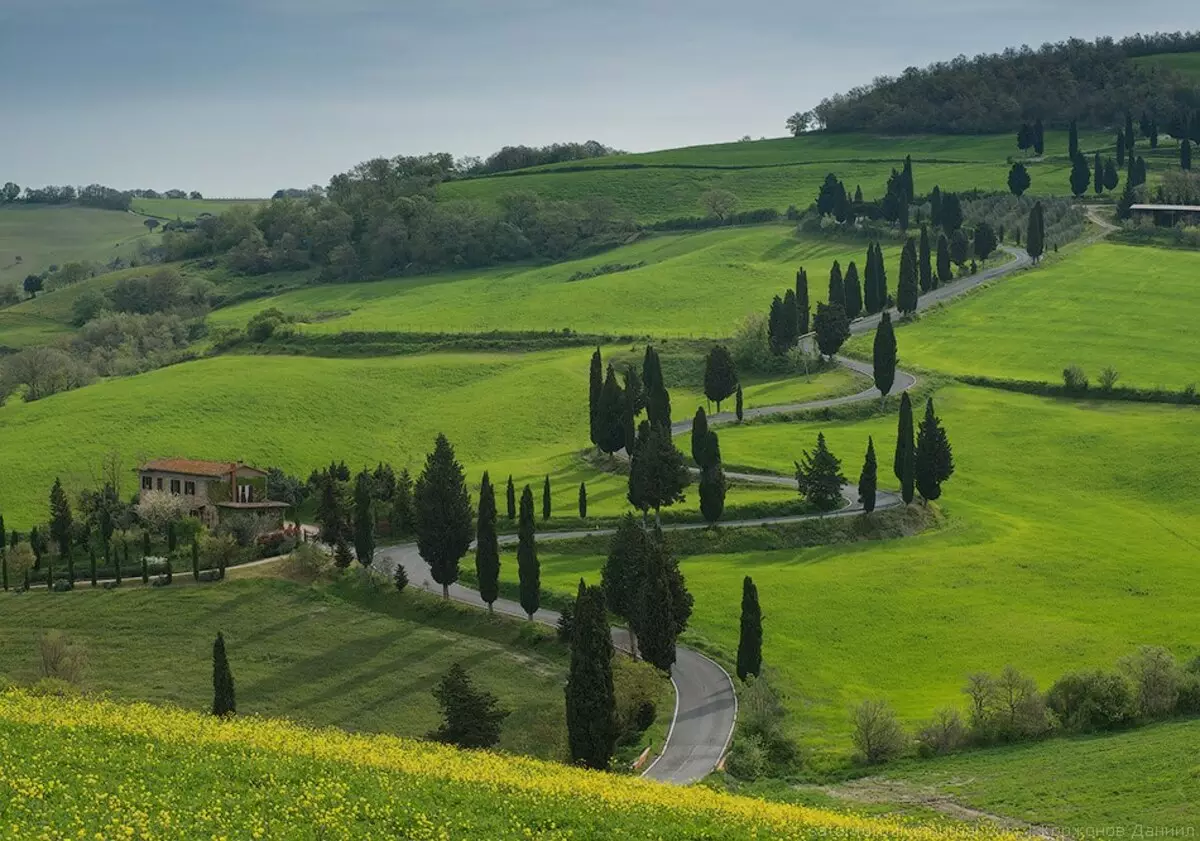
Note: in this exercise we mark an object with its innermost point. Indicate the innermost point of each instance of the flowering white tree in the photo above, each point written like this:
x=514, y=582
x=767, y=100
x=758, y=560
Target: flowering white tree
x=158, y=508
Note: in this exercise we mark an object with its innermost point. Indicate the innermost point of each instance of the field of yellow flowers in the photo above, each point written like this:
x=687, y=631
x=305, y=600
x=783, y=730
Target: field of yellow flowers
x=86, y=769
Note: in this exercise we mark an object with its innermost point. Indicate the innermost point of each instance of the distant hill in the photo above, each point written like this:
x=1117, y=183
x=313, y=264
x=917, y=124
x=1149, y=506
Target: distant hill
x=46, y=235
x=1095, y=83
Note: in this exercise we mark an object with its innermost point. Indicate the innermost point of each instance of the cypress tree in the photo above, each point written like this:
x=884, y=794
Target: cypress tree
x=590, y=698
x=906, y=291
x=621, y=576
x=881, y=276
x=699, y=436
x=628, y=422
x=582, y=501
x=1018, y=179
x=777, y=328
x=60, y=519
x=145, y=570
x=832, y=328
x=1111, y=179
x=487, y=545
x=884, y=357
x=790, y=319
x=92, y=565
x=1072, y=141
x=145, y=542
x=1024, y=140
x=738, y=407
x=471, y=717
x=837, y=287
x=195, y=559
x=803, y=312
x=511, y=499
x=117, y=563
x=224, y=703
x=3, y=557
x=529, y=571
x=1129, y=129
x=749, y=651
x=658, y=399
x=906, y=179
x=1185, y=154
x=871, y=301
x=364, y=519
x=171, y=542
x=610, y=421
x=635, y=394
x=663, y=604
x=934, y=460
x=1035, y=236
x=902, y=464
x=443, y=514
x=868, y=479
x=1120, y=149
x=1039, y=136
x=720, y=373
x=1097, y=174
x=935, y=207
x=657, y=474
x=854, y=295
x=712, y=491
x=546, y=496
x=595, y=384
x=1081, y=175
x=952, y=215
x=925, y=262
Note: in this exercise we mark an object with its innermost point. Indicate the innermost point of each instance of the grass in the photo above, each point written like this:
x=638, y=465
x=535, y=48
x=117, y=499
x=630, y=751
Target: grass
x=1127, y=307
x=697, y=284
x=1145, y=777
x=780, y=172
x=1186, y=63
x=45, y=236
x=523, y=414
x=339, y=655
x=188, y=208
x=1068, y=543
x=22, y=329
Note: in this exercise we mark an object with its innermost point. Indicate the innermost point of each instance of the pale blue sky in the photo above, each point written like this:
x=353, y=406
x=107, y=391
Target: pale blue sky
x=241, y=97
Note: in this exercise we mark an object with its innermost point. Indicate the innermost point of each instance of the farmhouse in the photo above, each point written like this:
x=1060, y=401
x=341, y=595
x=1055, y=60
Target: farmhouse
x=212, y=488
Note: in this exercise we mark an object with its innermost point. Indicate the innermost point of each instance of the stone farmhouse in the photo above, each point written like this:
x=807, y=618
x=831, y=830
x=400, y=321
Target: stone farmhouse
x=212, y=488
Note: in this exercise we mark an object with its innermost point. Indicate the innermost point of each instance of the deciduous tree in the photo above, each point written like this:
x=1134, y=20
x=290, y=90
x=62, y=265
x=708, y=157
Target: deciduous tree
x=443, y=514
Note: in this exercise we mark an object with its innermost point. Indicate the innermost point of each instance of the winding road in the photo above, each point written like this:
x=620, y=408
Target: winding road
x=705, y=699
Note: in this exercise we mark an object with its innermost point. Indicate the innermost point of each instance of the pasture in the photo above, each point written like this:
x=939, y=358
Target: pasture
x=1186, y=63
x=187, y=209
x=1128, y=307
x=43, y=236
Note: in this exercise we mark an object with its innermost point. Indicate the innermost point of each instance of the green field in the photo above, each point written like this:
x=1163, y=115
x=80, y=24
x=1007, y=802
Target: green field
x=1146, y=777
x=780, y=172
x=1127, y=307
x=188, y=208
x=1186, y=63
x=524, y=414
x=698, y=284
x=45, y=236
x=1069, y=542
x=335, y=655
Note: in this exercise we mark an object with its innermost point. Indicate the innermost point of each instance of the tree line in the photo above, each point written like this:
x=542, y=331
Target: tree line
x=93, y=195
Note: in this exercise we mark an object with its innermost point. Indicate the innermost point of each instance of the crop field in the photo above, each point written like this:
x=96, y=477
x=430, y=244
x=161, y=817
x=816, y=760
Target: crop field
x=1142, y=778
x=696, y=284
x=188, y=208
x=1128, y=307
x=341, y=655
x=524, y=414
x=1068, y=543
x=45, y=236
x=141, y=771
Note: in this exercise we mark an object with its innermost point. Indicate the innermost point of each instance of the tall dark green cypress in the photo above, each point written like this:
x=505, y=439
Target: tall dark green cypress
x=583, y=500
x=443, y=514
x=487, y=544
x=1072, y=140
x=884, y=356
x=903, y=465
x=610, y=421
x=870, y=286
x=1039, y=136
x=1097, y=174
x=60, y=519
x=854, y=295
x=590, y=697
x=945, y=273
x=529, y=571
x=712, y=489
x=92, y=565
x=546, y=497
x=1120, y=149
x=790, y=319
x=933, y=460
x=1129, y=136
x=749, y=651
x=224, y=703
x=510, y=494
x=364, y=519
x=658, y=399
x=1035, y=236
x=907, y=291
x=837, y=287
x=657, y=619
x=739, y=409
x=595, y=383
x=868, y=479
x=699, y=436
x=925, y=262
x=803, y=310
x=881, y=277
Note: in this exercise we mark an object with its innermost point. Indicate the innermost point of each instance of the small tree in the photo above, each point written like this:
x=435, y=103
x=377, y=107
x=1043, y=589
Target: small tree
x=903, y=462
x=985, y=241
x=546, y=497
x=1035, y=236
x=443, y=514
x=699, y=437
x=720, y=375
x=719, y=203
x=738, y=404
x=749, y=652
x=1018, y=179
x=877, y=734
x=960, y=248
x=657, y=473
x=819, y=477
x=1081, y=174
x=1185, y=154
x=1111, y=178
x=487, y=545
x=712, y=491
x=590, y=697
x=884, y=357
x=510, y=495
x=832, y=328
x=224, y=703
x=195, y=559
x=529, y=571
x=60, y=519
x=933, y=461
x=471, y=717
x=868, y=479
x=583, y=500
x=364, y=519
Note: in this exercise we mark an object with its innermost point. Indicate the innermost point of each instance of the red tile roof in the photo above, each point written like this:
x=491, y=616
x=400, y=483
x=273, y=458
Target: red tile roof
x=195, y=467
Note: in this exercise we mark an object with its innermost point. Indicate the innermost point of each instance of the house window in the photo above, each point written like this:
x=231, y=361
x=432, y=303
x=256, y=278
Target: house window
x=175, y=486
x=147, y=483
x=189, y=488
x=243, y=493
x=159, y=483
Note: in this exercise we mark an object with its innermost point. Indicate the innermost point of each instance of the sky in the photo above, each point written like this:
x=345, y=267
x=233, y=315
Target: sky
x=238, y=98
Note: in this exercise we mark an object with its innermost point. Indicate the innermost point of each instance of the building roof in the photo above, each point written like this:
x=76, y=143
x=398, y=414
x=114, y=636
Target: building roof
x=1184, y=208
x=196, y=467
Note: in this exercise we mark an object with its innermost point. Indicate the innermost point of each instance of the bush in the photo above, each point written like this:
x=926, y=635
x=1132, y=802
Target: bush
x=275, y=543
x=762, y=715
x=1108, y=378
x=1088, y=701
x=307, y=562
x=209, y=575
x=61, y=659
x=1156, y=678
x=1188, y=700
x=944, y=733
x=877, y=734
x=263, y=324
x=1074, y=379
x=636, y=684
x=747, y=758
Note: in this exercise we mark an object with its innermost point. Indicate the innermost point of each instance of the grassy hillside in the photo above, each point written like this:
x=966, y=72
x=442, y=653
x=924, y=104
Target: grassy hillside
x=340, y=655
x=157, y=768
x=1186, y=63
x=1140, y=779
x=524, y=414
x=781, y=172
x=1068, y=542
x=1127, y=307
x=697, y=284
x=45, y=236
x=188, y=208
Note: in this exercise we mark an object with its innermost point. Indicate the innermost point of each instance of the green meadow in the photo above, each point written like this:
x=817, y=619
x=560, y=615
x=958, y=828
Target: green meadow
x=46, y=236
x=188, y=208
x=696, y=284
x=1068, y=542
x=1128, y=307
x=524, y=414
x=1186, y=63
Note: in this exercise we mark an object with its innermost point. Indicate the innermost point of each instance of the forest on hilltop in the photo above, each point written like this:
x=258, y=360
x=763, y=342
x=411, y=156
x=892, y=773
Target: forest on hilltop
x=1094, y=83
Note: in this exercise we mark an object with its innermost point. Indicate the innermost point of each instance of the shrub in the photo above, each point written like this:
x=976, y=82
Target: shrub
x=944, y=733
x=245, y=529
x=61, y=659
x=1006, y=708
x=1108, y=378
x=877, y=734
x=636, y=685
x=1087, y=701
x=471, y=717
x=209, y=575
x=1156, y=677
x=307, y=562
x=1074, y=379
x=263, y=324
x=275, y=543
x=761, y=714
x=747, y=759
x=1188, y=700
